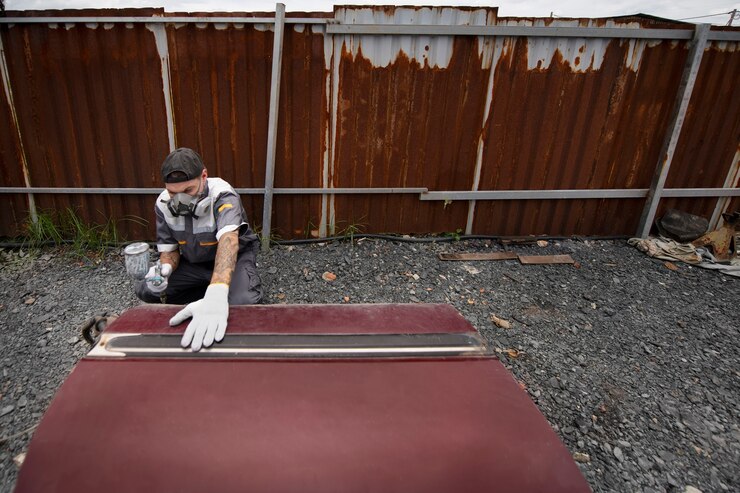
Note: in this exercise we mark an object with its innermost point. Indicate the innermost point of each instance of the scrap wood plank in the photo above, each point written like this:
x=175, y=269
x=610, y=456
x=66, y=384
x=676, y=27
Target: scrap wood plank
x=519, y=240
x=479, y=256
x=546, y=259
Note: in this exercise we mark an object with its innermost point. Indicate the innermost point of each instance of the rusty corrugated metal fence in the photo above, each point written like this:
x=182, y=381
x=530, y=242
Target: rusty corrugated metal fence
x=388, y=119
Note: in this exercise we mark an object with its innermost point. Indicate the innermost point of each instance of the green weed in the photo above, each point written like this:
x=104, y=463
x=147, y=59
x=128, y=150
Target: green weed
x=68, y=229
x=45, y=230
x=352, y=229
x=453, y=234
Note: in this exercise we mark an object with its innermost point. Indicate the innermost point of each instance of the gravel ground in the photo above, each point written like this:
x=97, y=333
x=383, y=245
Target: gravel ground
x=635, y=365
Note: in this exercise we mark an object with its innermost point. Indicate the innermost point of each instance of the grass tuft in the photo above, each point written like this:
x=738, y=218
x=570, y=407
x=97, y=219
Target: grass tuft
x=352, y=229
x=70, y=230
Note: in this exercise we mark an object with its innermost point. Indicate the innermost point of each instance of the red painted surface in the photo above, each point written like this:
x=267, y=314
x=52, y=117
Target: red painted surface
x=205, y=425
x=307, y=319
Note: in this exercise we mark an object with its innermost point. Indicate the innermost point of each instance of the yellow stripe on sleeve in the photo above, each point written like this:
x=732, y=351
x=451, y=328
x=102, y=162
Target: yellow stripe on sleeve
x=225, y=206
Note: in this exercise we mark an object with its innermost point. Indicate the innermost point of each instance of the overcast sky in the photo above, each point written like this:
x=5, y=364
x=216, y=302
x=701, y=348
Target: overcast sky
x=673, y=9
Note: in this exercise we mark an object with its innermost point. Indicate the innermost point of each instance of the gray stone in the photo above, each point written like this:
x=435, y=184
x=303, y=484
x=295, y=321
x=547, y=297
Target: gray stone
x=666, y=456
x=695, y=397
x=695, y=424
x=721, y=442
x=583, y=423
x=7, y=410
x=618, y=454
x=42, y=318
x=644, y=464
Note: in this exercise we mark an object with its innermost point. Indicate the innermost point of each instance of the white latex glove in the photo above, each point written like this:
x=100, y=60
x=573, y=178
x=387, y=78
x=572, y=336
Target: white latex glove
x=157, y=283
x=209, y=318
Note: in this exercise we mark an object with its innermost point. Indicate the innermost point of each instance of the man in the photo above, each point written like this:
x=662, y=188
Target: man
x=207, y=250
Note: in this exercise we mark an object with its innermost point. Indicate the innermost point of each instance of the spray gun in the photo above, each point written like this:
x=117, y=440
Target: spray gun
x=158, y=279
x=137, y=265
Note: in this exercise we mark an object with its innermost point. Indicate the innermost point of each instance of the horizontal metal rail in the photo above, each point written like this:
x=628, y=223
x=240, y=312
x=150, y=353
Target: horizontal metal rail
x=424, y=193
x=71, y=191
x=723, y=36
x=700, y=192
x=342, y=191
x=332, y=27
x=617, y=193
x=535, y=194
x=245, y=191
x=527, y=31
x=159, y=20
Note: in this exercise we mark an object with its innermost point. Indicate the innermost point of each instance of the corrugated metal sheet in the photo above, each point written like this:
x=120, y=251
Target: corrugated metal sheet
x=705, y=154
x=11, y=162
x=575, y=114
x=409, y=110
x=441, y=112
x=302, y=131
x=91, y=101
x=220, y=87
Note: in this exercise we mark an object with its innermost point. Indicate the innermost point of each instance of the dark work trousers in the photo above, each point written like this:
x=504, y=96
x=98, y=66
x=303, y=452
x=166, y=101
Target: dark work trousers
x=189, y=281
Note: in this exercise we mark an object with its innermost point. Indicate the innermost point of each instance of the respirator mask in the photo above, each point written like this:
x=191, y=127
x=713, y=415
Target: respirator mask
x=183, y=204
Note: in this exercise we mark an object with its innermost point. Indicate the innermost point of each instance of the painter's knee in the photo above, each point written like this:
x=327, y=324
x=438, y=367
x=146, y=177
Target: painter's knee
x=247, y=297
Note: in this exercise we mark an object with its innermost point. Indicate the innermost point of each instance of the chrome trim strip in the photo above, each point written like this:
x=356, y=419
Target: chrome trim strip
x=241, y=346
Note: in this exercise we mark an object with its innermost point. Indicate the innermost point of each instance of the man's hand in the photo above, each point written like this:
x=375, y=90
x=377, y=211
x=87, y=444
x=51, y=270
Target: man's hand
x=157, y=281
x=210, y=316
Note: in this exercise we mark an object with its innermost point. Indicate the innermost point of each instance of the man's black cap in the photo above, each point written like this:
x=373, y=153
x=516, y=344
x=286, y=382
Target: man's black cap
x=182, y=164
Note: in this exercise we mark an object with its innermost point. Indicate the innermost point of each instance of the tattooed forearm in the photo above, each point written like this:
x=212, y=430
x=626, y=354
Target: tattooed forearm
x=228, y=248
x=172, y=258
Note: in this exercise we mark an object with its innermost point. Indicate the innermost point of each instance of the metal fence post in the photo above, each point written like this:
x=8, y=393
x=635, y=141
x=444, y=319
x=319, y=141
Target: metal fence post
x=674, y=129
x=277, y=59
x=732, y=181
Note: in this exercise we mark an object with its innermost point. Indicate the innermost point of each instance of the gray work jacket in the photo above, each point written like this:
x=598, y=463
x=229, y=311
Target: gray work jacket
x=218, y=213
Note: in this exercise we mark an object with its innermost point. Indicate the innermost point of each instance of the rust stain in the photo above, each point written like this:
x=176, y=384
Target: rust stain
x=590, y=115
x=11, y=170
x=704, y=153
x=220, y=86
x=556, y=128
x=302, y=121
x=92, y=114
x=408, y=125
